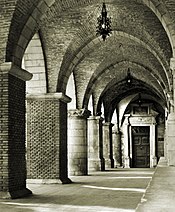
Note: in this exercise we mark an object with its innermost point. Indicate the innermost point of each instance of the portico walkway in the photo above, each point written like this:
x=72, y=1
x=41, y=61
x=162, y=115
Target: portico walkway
x=117, y=190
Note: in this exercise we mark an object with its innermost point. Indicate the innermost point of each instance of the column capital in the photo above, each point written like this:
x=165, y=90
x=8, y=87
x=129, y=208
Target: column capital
x=96, y=118
x=16, y=71
x=82, y=113
x=49, y=96
x=108, y=124
x=170, y=95
x=116, y=131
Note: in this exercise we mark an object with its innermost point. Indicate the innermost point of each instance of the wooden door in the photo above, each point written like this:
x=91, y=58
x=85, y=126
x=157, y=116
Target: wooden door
x=140, y=147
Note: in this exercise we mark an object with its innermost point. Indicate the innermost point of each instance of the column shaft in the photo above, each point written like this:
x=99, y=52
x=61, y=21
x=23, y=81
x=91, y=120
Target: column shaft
x=107, y=145
x=94, y=140
x=171, y=122
x=77, y=142
x=153, y=158
x=126, y=143
x=116, y=138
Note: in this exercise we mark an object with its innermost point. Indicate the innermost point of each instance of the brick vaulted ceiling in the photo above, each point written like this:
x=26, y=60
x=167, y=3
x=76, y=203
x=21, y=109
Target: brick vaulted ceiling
x=143, y=39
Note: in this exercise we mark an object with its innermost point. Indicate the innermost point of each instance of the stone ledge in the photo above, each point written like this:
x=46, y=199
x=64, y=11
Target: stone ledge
x=81, y=113
x=49, y=96
x=16, y=71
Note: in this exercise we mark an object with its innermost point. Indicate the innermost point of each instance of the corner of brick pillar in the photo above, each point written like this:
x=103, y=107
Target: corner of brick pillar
x=12, y=134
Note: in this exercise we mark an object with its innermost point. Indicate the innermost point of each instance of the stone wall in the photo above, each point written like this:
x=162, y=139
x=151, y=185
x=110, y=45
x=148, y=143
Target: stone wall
x=35, y=64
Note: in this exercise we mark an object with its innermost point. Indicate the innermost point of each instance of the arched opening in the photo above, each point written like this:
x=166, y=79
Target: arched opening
x=71, y=92
x=34, y=62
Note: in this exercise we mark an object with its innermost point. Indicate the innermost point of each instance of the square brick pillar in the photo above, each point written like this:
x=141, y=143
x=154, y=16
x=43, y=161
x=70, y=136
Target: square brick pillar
x=47, y=138
x=12, y=131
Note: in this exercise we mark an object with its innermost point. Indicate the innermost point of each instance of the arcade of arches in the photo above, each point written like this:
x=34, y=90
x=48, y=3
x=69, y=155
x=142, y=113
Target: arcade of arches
x=70, y=102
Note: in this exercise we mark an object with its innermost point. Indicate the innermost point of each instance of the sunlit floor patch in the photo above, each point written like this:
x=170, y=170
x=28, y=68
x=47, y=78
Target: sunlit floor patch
x=61, y=208
x=135, y=173
x=130, y=177
x=116, y=189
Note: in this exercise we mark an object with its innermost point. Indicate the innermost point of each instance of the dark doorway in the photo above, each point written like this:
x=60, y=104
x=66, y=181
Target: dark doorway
x=140, y=147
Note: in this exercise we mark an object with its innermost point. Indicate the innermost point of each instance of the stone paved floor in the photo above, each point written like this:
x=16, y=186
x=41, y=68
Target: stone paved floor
x=160, y=194
x=117, y=190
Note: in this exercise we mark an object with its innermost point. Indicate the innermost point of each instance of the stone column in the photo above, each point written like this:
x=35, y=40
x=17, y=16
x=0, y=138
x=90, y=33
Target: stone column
x=171, y=139
x=47, y=138
x=172, y=67
x=171, y=123
x=166, y=137
x=116, y=138
x=153, y=158
x=107, y=145
x=126, y=142
x=171, y=102
x=77, y=142
x=12, y=131
x=94, y=141
x=130, y=144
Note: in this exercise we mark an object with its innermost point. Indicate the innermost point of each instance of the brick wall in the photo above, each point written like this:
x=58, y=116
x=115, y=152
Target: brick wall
x=17, y=164
x=12, y=136
x=42, y=137
x=46, y=138
x=63, y=142
x=20, y=17
x=6, y=12
x=3, y=131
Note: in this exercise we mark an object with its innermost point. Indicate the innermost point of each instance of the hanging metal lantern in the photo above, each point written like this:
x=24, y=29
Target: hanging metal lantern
x=104, y=24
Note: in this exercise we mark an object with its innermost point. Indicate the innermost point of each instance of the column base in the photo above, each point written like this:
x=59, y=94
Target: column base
x=49, y=181
x=112, y=163
x=153, y=161
x=78, y=167
x=66, y=181
x=127, y=162
x=117, y=164
x=94, y=165
x=107, y=163
x=77, y=173
x=102, y=161
x=15, y=194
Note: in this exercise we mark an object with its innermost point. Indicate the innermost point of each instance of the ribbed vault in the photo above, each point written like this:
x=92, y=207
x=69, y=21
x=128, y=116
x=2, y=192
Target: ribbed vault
x=142, y=40
x=114, y=94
